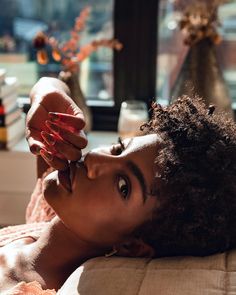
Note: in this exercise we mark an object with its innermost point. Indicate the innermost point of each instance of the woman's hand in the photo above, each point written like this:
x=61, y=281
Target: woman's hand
x=54, y=124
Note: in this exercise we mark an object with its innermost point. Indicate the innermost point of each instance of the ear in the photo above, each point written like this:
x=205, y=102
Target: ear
x=134, y=247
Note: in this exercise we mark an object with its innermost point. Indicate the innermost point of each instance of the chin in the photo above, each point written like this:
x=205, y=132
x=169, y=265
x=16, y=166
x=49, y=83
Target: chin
x=50, y=186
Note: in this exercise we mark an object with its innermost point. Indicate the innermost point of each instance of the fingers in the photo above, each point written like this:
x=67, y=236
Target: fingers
x=57, y=152
x=59, y=140
x=54, y=161
x=61, y=148
x=34, y=139
x=76, y=122
x=74, y=137
x=48, y=152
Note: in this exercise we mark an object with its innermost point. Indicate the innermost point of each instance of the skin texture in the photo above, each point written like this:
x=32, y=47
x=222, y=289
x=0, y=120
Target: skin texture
x=99, y=199
x=95, y=214
x=95, y=209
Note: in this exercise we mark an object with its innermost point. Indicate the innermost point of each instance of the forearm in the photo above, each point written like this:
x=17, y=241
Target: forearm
x=48, y=85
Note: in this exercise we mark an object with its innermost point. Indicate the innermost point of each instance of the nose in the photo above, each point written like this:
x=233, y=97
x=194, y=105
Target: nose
x=98, y=163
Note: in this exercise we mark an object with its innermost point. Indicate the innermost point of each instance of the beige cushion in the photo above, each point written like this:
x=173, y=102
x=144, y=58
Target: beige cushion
x=212, y=275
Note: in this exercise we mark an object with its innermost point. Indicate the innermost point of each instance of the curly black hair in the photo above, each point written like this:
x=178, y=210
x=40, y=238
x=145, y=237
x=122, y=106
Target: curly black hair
x=195, y=180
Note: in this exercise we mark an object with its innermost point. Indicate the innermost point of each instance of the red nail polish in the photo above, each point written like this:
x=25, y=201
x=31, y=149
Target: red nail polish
x=52, y=126
x=54, y=116
x=46, y=154
x=49, y=138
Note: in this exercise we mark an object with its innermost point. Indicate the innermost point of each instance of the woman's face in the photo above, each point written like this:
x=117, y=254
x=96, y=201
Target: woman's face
x=108, y=196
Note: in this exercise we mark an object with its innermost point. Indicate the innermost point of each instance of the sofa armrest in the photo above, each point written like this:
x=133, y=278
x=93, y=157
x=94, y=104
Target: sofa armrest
x=209, y=275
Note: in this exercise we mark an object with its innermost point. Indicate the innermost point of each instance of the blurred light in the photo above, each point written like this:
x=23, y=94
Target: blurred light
x=172, y=25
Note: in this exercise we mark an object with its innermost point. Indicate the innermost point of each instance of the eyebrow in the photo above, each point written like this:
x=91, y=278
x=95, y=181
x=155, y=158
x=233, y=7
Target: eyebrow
x=134, y=169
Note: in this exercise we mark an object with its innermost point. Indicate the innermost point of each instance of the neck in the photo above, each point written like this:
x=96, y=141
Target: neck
x=58, y=252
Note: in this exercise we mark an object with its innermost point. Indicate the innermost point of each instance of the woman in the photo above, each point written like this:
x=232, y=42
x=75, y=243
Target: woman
x=169, y=192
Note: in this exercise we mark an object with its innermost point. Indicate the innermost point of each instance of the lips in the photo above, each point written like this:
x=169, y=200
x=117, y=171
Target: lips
x=66, y=177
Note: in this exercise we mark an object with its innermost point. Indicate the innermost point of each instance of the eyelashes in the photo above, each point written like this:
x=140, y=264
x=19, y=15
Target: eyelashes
x=121, y=143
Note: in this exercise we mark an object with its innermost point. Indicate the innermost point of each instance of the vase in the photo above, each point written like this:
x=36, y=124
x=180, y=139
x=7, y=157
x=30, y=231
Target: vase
x=201, y=75
x=72, y=81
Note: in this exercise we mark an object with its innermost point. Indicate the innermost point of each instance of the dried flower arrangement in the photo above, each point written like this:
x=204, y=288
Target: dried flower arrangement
x=200, y=20
x=70, y=53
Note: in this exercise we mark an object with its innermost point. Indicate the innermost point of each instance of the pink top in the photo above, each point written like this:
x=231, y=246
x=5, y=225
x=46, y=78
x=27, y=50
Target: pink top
x=32, y=288
x=38, y=214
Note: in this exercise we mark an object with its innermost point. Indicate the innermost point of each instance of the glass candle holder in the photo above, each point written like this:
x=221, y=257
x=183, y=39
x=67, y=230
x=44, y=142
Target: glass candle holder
x=133, y=114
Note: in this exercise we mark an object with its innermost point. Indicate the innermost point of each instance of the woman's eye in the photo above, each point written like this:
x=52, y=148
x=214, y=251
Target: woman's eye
x=123, y=187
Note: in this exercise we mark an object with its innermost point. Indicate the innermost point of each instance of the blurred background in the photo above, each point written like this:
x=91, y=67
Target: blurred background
x=145, y=69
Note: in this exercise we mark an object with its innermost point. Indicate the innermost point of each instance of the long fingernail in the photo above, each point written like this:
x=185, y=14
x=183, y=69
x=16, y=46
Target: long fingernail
x=46, y=154
x=49, y=138
x=52, y=126
x=54, y=116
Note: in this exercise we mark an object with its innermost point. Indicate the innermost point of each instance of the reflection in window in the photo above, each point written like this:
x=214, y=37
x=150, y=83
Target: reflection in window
x=20, y=20
x=172, y=51
x=226, y=50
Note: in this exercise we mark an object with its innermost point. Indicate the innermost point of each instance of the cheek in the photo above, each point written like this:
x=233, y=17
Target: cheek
x=94, y=225
x=96, y=218
x=94, y=194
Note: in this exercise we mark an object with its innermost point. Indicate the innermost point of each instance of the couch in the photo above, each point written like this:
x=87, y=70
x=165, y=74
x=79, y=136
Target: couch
x=212, y=275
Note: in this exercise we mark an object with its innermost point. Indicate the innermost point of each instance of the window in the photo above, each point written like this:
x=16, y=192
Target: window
x=22, y=19
x=172, y=51
x=118, y=76
x=141, y=70
x=226, y=50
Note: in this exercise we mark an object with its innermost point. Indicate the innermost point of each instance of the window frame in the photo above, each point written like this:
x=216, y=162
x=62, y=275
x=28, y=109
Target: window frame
x=134, y=67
